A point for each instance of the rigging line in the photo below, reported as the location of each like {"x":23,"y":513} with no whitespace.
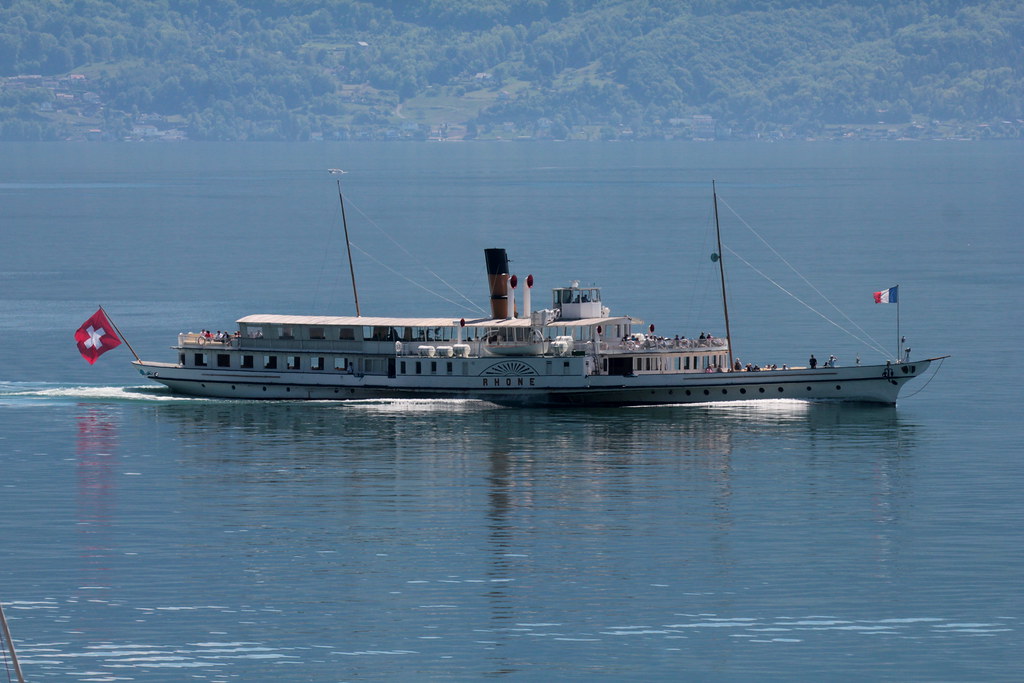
{"x":419,"y":263}
{"x":706,"y":247}
{"x":407,"y":278}
{"x":323,"y":265}
{"x":869,"y":342}
{"x":697,"y":300}
{"x":799,"y":274}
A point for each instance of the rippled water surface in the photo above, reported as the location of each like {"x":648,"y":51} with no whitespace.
{"x":154,"y":537}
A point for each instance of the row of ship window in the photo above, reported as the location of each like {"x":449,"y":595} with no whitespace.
{"x":642,"y":363}
{"x":270,"y":362}
{"x":341,"y":364}
{"x":743,"y":390}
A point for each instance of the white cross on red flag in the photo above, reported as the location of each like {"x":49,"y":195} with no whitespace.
{"x":96,"y":336}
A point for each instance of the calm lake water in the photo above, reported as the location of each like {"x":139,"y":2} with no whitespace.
{"x":152,"y":537}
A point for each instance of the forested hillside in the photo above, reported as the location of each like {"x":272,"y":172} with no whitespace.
{"x":337,"y":69}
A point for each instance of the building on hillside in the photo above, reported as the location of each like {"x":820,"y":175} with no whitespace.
{"x":703,"y":127}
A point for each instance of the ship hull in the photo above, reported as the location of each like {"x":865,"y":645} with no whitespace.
{"x":871,"y":384}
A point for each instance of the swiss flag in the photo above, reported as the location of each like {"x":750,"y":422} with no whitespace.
{"x":96,"y":336}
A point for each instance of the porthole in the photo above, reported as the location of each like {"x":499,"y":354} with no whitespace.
{"x":287,"y":388}
{"x":669,"y":392}
{"x":913,"y":368}
{"x":808,"y":388}
{"x":725,"y":391}
{"x":760,"y":390}
{"x":781,"y":390}
{"x":203,"y":386}
{"x":232,"y":387}
{"x":905,"y":369}
{"x":264,"y":388}
{"x":335,"y":391}
{"x":743,"y":391}
{"x":687,"y":392}
{"x":706,"y":392}
{"x":838,"y":387}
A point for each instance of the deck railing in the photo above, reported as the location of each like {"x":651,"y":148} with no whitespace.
{"x":652,"y":344}
{"x":199,"y":339}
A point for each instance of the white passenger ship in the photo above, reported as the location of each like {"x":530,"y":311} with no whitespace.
{"x":573,"y":353}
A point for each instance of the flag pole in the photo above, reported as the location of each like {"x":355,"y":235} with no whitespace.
{"x":899,"y":339}
{"x":10,"y":645}
{"x":120,"y":334}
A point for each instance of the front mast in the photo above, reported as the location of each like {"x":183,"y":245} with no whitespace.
{"x":721,"y":272}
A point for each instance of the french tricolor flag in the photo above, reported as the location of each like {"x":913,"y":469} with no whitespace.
{"x":888,"y":296}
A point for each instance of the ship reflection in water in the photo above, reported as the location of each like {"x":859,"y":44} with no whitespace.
{"x":618,"y":452}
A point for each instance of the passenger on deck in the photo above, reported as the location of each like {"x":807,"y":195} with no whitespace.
{"x":813,"y":362}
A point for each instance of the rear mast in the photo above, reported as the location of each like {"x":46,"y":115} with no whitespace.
{"x":348,"y":245}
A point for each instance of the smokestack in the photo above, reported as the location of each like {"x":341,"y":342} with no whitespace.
{"x":526,"y":297}
{"x":512,"y":282}
{"x":497,"y":280}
